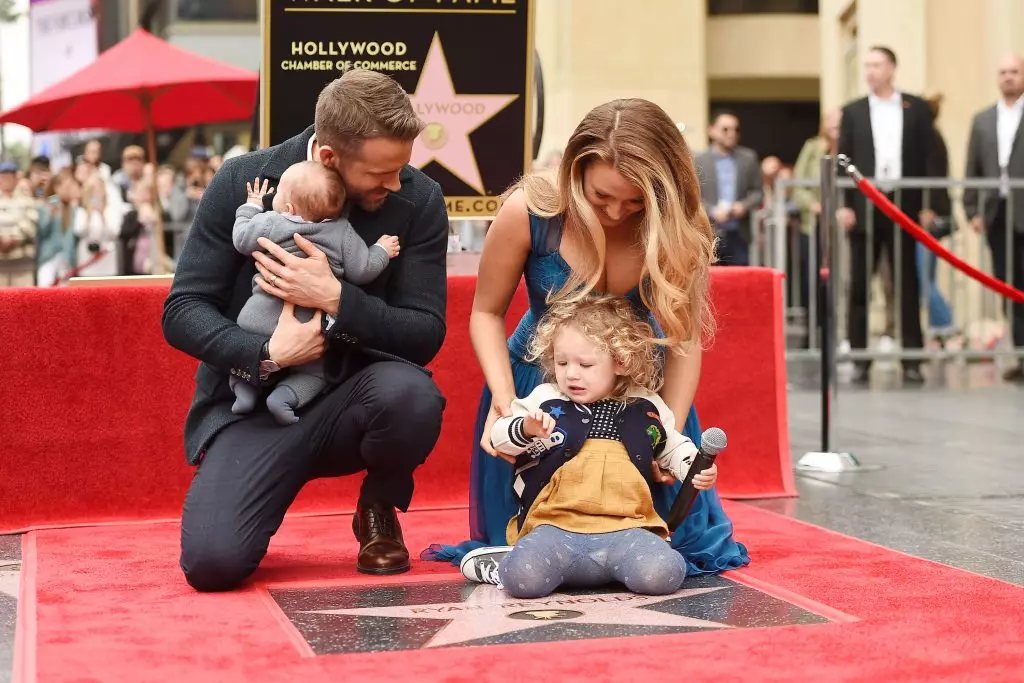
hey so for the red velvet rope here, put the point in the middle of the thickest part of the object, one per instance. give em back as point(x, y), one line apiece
point(922, 236)
point(75, 271)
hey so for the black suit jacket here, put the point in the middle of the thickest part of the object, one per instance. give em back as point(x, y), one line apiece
point(920, 152)
point(402, 312)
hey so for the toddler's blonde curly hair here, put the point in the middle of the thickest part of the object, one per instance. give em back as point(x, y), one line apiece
point(611, 323)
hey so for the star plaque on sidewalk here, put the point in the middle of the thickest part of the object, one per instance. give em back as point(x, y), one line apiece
point(455, 613)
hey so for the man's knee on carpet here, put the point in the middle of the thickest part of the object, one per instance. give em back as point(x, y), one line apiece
point(403, 401)
point(212, 565)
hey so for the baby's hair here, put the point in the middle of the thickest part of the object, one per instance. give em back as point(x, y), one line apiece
point(611, 323)
point(321, 192)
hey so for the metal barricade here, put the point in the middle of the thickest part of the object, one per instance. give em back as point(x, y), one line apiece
point(980, 322)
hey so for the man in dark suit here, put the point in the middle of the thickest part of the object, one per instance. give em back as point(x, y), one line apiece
point(889, 135)
point(381, 412)
point(730, 188)
point(996, 150)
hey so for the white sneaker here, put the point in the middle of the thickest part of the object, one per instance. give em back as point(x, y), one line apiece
point(887, 344)
point(481, 565)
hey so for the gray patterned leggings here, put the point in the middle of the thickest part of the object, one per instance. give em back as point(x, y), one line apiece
point(548, 557)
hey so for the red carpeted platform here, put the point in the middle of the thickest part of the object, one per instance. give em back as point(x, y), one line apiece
point(109, 604)
point(95, 401)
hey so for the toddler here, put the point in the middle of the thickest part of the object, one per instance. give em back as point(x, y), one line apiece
point(307, 201)
point(584, 447)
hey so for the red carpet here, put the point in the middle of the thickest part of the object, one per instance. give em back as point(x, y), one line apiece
point(109, 604)
point(96, 401)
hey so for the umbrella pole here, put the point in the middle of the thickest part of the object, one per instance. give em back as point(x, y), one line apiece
point(158, 231)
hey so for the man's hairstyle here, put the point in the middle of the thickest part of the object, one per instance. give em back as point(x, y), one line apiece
point(364, 104)
point(320, 193)
point(719, 113)
point(885, 51)
point(41, 161)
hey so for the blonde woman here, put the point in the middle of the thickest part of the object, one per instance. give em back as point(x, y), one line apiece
point(622, 216)
point(99, 251)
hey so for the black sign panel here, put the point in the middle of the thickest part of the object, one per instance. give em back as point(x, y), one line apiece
point(466, 64)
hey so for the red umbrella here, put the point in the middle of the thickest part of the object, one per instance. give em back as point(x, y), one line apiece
point(142, 84)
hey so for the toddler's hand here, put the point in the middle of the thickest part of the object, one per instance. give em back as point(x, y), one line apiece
point(538, 425)
point(256, 191)
point(706, 479)
point(390, 244)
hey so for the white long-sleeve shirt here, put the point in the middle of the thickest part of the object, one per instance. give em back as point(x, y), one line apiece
point(507, 436)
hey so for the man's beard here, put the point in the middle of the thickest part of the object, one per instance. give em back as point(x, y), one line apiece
point(371, 205)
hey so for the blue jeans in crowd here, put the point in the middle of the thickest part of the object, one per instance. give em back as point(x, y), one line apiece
point(939, 315)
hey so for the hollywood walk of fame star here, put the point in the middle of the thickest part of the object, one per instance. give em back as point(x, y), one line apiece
point(450, 118)
point(488, 611)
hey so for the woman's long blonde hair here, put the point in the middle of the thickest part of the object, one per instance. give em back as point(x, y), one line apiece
point(639, 140)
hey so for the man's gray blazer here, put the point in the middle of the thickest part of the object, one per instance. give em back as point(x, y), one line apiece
point(983, 162)
point(749, 184)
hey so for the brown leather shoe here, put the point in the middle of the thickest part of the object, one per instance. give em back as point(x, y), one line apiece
point(381, 546)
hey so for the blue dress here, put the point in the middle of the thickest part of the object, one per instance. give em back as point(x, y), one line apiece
point(705, 537)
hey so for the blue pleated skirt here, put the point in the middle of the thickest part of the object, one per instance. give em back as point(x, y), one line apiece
point(704, 539)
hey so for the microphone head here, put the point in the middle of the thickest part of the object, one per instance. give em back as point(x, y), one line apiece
point(713, 441)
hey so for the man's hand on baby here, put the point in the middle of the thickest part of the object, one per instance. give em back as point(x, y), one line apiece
point(390, 244)
point(306, 282)
point(538, 425)
point(706, 479)
point(256, 191)
point(294, 342)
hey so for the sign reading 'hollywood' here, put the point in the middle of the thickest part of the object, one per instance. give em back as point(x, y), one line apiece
point(466, 64)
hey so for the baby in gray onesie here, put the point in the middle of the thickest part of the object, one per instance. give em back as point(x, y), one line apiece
point(307, 202)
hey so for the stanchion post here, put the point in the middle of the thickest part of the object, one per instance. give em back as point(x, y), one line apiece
point(828, 459)
point(829, 204)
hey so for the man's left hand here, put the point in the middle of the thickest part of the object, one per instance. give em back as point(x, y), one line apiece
point(306, 282)
point(927, 217)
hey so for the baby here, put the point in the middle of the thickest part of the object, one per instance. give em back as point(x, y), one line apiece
point(307, 201)
point(585, 447)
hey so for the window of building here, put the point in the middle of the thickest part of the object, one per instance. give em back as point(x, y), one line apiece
point(719, 7)
point(218, 10)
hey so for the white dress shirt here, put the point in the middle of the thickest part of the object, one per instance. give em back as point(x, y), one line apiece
point(309, 148)
point(1007, 122)
point(887, 133)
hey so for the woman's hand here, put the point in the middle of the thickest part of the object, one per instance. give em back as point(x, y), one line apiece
point(499, 408)
point(306, 282)
point(706, 479)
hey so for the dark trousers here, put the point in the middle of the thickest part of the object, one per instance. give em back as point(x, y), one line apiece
point(732, 249)
point(385, 420)
point(997, 243)
point(884, 239)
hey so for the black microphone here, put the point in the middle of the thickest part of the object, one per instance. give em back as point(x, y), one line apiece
point(712, 442)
